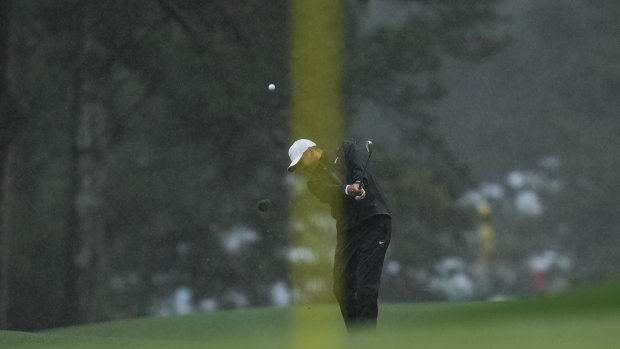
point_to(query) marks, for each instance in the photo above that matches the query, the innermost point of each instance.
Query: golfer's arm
(355, 162)
(326, 192)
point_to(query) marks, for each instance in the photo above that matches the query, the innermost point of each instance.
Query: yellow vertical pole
(486, 231)
(487, 246)
(316, 113)
(316, 70)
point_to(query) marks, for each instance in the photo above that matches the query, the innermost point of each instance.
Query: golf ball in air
(271, 87)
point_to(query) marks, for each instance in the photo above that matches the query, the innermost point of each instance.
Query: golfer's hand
(362, 196)
(355, 190)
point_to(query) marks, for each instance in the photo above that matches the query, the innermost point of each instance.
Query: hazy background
(138, 138)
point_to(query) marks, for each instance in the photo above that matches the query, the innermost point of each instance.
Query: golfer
(363, 223)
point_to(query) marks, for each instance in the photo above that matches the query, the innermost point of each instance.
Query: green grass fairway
(588, 317)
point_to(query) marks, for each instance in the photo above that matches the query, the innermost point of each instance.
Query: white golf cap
(297, 150)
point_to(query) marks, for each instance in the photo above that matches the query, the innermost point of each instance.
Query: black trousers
(358, 264)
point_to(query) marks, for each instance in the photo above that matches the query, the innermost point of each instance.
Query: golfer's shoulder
(316, 181)
(347, 146)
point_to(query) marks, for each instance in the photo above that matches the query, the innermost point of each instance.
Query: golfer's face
(308, 160)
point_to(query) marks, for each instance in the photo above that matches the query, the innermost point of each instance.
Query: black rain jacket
(336, 170)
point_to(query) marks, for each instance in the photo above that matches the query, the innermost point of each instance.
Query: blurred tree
(89, 115)
(551, 94)
(37, 209)
(181, 174)
(582, 79)
(212, 134)
(10, 124)
(4, 247)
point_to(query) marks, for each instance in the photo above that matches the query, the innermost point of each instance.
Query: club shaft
(364, 171)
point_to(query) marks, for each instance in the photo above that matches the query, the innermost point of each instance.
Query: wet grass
(586, 317)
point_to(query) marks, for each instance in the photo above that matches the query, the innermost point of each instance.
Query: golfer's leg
(344, 282)
(369, 267)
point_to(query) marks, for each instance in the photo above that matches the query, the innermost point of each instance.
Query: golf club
(369, 150)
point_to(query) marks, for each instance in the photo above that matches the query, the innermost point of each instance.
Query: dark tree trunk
(8, 129)
(5, 229)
